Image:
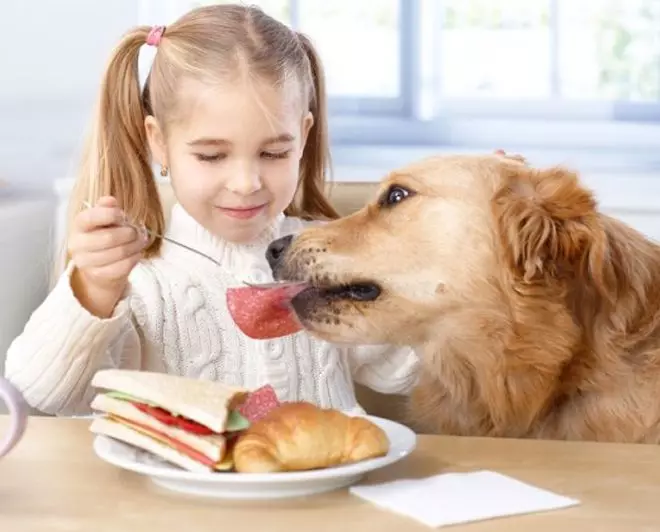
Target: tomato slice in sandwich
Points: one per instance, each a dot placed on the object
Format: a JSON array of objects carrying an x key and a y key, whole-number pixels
[
  {"x": 166, "y": 418},
  {"x": 256, "y": 405}
]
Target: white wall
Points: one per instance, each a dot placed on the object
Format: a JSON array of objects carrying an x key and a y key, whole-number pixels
[
  {"x": 52, "y": 54},
  {"x": 26, "y": 236}
]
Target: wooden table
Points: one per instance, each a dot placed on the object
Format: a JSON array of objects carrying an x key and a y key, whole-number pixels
[{"x": 53, "y": 481}]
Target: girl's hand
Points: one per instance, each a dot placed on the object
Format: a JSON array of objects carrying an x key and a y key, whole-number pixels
[{"x": 104, "y": 251}]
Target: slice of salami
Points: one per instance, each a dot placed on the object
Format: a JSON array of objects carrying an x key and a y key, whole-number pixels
[
  {"x": 264, "y": 312},
  {"x": 259, "y": 403}
]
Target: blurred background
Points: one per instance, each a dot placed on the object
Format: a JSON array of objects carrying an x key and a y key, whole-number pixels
[{"x": 575, "y": 82}]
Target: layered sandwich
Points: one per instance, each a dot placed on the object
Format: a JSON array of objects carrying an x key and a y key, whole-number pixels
[{"x": 188, "y": 422}]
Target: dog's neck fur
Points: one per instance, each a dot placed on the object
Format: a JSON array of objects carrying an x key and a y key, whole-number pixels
[
  {"x": 538, "y": 355},
  {"x": 627, "y": 299}
]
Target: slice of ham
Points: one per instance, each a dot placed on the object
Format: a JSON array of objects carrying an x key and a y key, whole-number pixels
[
  {"x": 225, "y": 464},
  {"x": 259, "y": 404},
  {"x": 264, "y": 312},
  {"x": 167, "y": 418}
]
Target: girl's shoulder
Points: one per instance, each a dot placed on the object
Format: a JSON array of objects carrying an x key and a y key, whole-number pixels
[
  {"x": 158, "y": 272},
  {"x": 156, "y": 286},
  {"x": 154, "y": 280}
]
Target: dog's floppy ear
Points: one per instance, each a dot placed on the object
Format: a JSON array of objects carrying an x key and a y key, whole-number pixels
[{"x": 548, "y": 222}]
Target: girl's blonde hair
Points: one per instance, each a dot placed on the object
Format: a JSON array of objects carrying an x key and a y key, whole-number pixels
[{"x": 208, "y": 43}]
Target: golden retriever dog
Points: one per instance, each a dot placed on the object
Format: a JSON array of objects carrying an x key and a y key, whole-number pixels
[{"x": 535, "y": 315}]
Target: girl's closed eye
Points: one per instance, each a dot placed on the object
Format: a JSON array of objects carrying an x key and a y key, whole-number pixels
[
  {"x": 275, "y": 155},
  {"x": 209, "y": 157}
]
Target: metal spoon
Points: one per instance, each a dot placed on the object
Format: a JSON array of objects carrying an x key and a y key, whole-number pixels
[
  {"x": 142, "y": 228},
  {"x": 274, "y": 284},
  {"x": 176, "y": 243}
]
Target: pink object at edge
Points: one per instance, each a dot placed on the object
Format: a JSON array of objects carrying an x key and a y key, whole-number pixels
[{"x": 18, "y": 416}]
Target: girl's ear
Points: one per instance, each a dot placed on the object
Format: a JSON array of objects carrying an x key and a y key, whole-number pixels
[
  {"x": 156, "y": 140},
  {"x": 306, "y": 126}
]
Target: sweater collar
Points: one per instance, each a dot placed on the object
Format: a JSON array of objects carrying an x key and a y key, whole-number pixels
[{"x": 234, "y": 257}]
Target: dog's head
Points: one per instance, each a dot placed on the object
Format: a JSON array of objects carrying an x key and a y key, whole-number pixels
[{"x": 444, "y": 237}]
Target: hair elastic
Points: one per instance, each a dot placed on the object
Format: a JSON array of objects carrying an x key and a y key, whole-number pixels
[{"x": 155, "y": 35}]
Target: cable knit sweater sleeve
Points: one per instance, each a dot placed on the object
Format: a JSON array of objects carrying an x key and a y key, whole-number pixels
[
  {"x": 385, "y": 369},
  {"x": 62, "y": 346}
]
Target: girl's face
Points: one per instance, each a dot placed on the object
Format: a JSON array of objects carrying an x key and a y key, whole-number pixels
[{"x": 233, "y": 154}]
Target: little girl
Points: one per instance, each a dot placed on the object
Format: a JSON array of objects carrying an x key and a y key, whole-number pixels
[{"x": 234, "y": 112}]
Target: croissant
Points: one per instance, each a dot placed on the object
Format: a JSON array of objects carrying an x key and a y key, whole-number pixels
[{"x": 300, "y": 436}]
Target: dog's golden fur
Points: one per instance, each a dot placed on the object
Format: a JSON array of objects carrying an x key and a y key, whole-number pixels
[{"x": 535, "y": 315}]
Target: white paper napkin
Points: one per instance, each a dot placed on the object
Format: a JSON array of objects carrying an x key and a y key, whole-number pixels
[{"x": 453, "y": 498}]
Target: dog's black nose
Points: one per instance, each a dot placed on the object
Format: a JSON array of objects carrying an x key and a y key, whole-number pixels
[{"x": 276, "y": 250}]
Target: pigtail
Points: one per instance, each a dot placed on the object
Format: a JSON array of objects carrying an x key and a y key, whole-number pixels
[
  {"x": 315, "y": 161},
  {"x": 116, "y": 160}
]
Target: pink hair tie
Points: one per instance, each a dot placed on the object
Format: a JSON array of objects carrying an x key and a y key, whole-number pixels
[{"x": 155, "y": 35}]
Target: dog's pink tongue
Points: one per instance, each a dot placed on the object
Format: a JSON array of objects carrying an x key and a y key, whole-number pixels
[{"x": 264, "y": 312}]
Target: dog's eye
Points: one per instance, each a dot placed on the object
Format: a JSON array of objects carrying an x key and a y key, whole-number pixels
[{"x": 395, "y": 194}]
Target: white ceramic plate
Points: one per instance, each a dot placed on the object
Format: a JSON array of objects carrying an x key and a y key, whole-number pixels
[{"x": 252, "y": 485}]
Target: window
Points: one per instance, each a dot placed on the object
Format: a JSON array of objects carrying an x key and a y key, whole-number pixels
[
  {"x": 349, "y": 34},
  {"x": 553, "y": 54},
  {"x": 484, "y": 73}
]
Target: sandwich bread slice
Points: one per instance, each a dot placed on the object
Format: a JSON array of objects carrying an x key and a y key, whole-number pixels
[{"x": 188, "y": 422}]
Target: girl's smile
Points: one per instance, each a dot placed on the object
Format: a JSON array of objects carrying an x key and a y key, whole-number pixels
[{"x": 243, "y": 213}]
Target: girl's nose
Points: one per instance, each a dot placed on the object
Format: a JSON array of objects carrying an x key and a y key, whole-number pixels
[{"x": 244, "y": 180}]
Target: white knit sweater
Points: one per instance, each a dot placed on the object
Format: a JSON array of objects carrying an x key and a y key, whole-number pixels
[{"x": 174, "y": 319}]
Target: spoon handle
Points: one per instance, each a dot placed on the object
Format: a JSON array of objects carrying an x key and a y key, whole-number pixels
[{"x": 162, "y": 237}]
